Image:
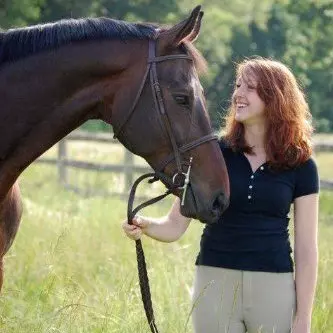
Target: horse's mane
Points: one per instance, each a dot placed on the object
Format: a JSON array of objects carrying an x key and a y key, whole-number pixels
[{"x": 22, "y": 42}]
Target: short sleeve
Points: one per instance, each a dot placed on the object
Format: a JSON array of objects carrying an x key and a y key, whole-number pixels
[{"x": 307, "y": 179}]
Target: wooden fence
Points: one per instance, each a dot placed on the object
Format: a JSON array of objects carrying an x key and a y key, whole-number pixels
[
  {"x": 63, "y": 162},
  {"x": 127, "y": 168}
]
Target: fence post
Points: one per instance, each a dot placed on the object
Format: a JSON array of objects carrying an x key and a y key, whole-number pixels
[
  {"x": 128, "y": 171},
  {"x": 62, "y": 156}
]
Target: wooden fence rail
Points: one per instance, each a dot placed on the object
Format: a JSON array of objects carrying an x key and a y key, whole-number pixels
[
  {"x": 63, "y": 162},
  {"x": 128, "y": 168}
]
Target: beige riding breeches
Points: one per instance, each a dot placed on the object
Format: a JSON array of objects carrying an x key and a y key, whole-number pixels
[{"x": 235, "y": 301}]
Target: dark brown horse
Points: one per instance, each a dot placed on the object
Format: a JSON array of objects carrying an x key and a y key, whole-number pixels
[{"x": 56, "y": 76}]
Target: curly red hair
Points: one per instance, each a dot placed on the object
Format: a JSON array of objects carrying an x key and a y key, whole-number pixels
[{"x": 289, "y": 121}]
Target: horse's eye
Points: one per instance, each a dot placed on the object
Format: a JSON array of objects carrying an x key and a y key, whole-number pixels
[{"x": 182, "y": 100}]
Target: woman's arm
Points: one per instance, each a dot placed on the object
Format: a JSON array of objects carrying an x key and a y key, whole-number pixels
[
  {"x": 306, "y": 258},
  {"x": 165, "y": 229}
]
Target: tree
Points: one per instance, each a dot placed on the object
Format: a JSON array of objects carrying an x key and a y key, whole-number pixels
[{"x": 17, "y": 13}]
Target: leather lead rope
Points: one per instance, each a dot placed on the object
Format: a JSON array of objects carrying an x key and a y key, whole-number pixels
[{"x": 141, "y": 262}]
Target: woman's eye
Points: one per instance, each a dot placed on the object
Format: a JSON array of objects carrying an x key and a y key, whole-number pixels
[
  {"x": 182, "y": 100},
  {"x": 251, "y": 87}
]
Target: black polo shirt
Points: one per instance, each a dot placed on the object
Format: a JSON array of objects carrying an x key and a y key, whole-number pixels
[{"x": 253, "y": 232}]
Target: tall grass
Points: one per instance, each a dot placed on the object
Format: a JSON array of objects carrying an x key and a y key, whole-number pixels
[{"x": 71, "y": 269}]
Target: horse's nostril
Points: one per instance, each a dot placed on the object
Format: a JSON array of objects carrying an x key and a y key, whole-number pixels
[{"x": 220, "y": 204}]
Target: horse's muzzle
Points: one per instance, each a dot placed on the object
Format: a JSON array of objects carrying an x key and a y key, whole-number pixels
[{"x": 206, "y": 211}]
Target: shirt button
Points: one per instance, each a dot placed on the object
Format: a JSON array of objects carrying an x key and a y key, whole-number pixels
[
  {"x": 250, "y": 186},
  {"x": 249, "y": 197},
  {"x": 252, "y": 177},
  {"x": 261, "y": 168}
]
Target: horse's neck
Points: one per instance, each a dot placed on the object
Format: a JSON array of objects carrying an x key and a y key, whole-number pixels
[{"x": 46, "y": 96}]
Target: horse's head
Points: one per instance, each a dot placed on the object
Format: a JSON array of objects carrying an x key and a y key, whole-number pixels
[{"x": 168, "y": 124}]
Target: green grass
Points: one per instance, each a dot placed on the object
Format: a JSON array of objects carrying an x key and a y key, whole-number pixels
[
  {"x": 71, "y": 269},
  {"x": 325, "y": 159},
  {"x": 325, "y": 162}
]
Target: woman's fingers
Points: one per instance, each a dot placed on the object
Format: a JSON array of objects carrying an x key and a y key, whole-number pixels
[
  {"x": 135, "y": 234},
  {"x": 140, "y": 221},
  {"x": 135, "y": 230},
  {"x": 132, "y": 231}
]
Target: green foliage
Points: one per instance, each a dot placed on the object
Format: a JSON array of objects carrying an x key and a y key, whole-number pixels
[
  {"x": 53, "y": 10},
  {"x": 310, "y": 52},
  {"x": 17, "y": 13}
]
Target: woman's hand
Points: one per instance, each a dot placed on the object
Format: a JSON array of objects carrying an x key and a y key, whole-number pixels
[
  {"x": 167, "y": 228},
  {"x": 134, "y": 231}
]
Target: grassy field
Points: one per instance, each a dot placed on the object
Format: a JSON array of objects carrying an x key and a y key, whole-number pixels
[{"x": 71, "y": 269}]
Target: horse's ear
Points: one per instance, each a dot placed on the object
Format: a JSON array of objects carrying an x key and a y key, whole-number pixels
[
  {"x": 195, "y": 32},
  {"x": 185, "y": 30}
]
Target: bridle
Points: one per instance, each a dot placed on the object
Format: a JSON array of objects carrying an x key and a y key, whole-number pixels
[{"x": 179, "y": 181}]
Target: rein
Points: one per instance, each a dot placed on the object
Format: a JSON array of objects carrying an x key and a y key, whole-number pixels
[{"x": 179, "y": 181}]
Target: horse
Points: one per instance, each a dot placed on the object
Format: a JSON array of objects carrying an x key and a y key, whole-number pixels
[{"x": 140, "y": 78}]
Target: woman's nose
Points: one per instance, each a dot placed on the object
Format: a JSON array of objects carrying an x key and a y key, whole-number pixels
[{"x": 239, "y": 94}]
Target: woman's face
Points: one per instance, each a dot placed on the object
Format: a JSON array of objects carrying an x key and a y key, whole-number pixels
[{"x": 250, "y": 109}]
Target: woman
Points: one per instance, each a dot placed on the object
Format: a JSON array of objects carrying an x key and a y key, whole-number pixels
[{"x": 245, "y": 279}]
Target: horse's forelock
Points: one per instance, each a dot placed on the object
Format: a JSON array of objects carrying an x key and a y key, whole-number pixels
[{"x": 200, "y": 62}]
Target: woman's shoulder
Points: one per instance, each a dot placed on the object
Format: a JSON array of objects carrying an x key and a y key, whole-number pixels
[{"x": 309, "y": 166}]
